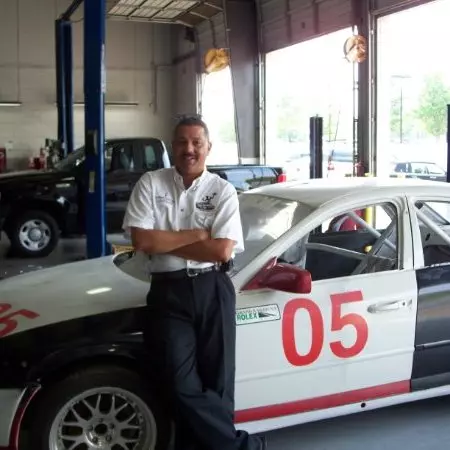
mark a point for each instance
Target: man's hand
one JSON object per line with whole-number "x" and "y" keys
{"x": 161, "y": 242}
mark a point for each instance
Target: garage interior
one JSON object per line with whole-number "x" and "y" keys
{"x": 51, "y": 84}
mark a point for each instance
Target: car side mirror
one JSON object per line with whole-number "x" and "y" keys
{"x": 281, "y": 277}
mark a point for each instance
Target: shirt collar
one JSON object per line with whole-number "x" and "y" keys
{"x": 179, "y": 179}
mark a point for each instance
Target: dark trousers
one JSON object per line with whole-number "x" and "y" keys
{"x": 191, "y": 332}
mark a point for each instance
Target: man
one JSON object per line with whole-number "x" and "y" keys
{"x": 188, "y": 220}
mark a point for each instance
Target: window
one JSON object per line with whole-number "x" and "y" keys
{"x": 150, "y": 159}
{"x": 433, "y": 169}
{"x": 418, "y": 168}
{"x": 349, "y": 245}
{"x": 264, "y": 220}
{"x": 435, "y": 231}
{"x": 122, "y": 157}
{"x": 241, "y": 179}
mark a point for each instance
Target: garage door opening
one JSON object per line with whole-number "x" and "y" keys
{"x": 303, "y": 80}
{"x": 413, "y": 90}
{"x": 218, "y": 112}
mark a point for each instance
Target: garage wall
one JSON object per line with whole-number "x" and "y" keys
{"x": 134, "y": 53}
{"x": 185, "y": 72}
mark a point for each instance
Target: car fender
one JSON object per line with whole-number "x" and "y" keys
{"x": 67, "y": 360}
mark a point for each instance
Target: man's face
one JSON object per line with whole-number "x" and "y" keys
{"x": 190, "y": 149}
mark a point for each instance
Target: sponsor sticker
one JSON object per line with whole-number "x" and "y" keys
{"x": 257, "y": 314}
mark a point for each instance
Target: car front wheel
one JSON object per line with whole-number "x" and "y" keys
{"x": 33, "y": 234}
{"x": 99, "y": 408}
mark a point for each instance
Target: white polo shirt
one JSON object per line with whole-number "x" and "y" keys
{"x": 160, "y": 201}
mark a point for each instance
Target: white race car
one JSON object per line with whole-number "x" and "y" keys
{"x": 343, "y": 305}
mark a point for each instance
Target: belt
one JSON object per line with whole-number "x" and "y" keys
{"x": 191, "y": 273}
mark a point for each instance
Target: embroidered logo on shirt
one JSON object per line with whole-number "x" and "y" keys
{"x": 164, "y": 199}
{"x": 205, "y": 203}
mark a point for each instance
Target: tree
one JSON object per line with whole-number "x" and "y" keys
{"x": 290, "y": 124}
{"x": 432, "y": 110}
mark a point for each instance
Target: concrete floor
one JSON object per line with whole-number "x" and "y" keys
{"x": 418, "y": 426}
{"x": 68, "y": 250}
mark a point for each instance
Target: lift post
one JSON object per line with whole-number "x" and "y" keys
{"x": 64, "y": 83}
{"x": 94, "y": 94}
{"x": 68, "y": 82}
{"x": 60, "y": 82}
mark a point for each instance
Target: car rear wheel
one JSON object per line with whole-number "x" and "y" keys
{"x": 99, "y": 408}
{"x": 33, "y": 234}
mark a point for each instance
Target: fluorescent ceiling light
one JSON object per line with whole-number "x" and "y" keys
{"x": 10, "y": 103}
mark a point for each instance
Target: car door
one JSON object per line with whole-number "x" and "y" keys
{"x": 350, "y": 339}
{"x": 430, "y": 218}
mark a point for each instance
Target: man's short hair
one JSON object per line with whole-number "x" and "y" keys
{"x": 191, "y": 121}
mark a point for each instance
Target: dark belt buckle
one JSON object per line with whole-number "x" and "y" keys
{"x": 191, "y": 273}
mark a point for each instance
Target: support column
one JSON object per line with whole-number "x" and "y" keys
{"x": 365, "y": 128}
{"x": 68, "y": 84}
{"x": 241, "y": 22}
{"x": 60, "y": 91}
{"x": 94, "y": 94}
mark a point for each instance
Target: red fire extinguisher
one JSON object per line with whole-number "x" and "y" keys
{"x": 2, "y": 159}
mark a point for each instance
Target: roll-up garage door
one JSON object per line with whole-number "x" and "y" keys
{"x": 212, "y": 34}
{"x": 288, "y": 22}
{"x": 390, "y": 6}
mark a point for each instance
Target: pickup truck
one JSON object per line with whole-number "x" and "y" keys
{"x": 39, "y": 206}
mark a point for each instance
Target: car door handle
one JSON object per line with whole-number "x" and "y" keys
{"x": 388, "y": 306}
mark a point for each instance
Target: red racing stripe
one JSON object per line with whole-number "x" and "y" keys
{"x": 325, "y": 402}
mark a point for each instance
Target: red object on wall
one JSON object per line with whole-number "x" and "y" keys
{"x": 2, "y": 160}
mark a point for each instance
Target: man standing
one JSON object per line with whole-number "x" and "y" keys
{"x": 188, "y": 220}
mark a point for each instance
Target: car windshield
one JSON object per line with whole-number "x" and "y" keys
{"x": 264, "y": 220}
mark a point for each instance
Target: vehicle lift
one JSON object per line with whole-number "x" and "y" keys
{"x": 94, "y": 96}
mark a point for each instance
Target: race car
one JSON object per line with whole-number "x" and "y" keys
{"x": 328, "y": 322}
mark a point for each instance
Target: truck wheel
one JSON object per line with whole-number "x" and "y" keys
{"x": 33, "y": 234}
{"x": 103, "y": 407}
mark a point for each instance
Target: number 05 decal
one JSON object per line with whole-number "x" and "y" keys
{"x": 338, "y": 322}
{"x": 8, "y": 322}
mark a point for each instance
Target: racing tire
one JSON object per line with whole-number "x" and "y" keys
{"x": 114, "y": 406}
{"x": 33, "y": 234}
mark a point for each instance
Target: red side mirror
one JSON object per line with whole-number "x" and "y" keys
{"x": 281, "y": 277}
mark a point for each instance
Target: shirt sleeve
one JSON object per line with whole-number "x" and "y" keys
{"x": 227, "y": 222}
{"x": 139, "y": 212}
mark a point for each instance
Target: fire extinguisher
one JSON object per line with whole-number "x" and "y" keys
{"x": 2, "y": 159}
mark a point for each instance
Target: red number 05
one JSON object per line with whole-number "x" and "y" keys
{"x": 7, "y": 322}
{"x": 338, "y": 322}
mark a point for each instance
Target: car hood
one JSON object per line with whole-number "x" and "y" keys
{"x": 32, "y": 176}
{"x": 70, "y": 291}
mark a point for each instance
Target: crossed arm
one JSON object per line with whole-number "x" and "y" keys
{"x": 189, "y": 244}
